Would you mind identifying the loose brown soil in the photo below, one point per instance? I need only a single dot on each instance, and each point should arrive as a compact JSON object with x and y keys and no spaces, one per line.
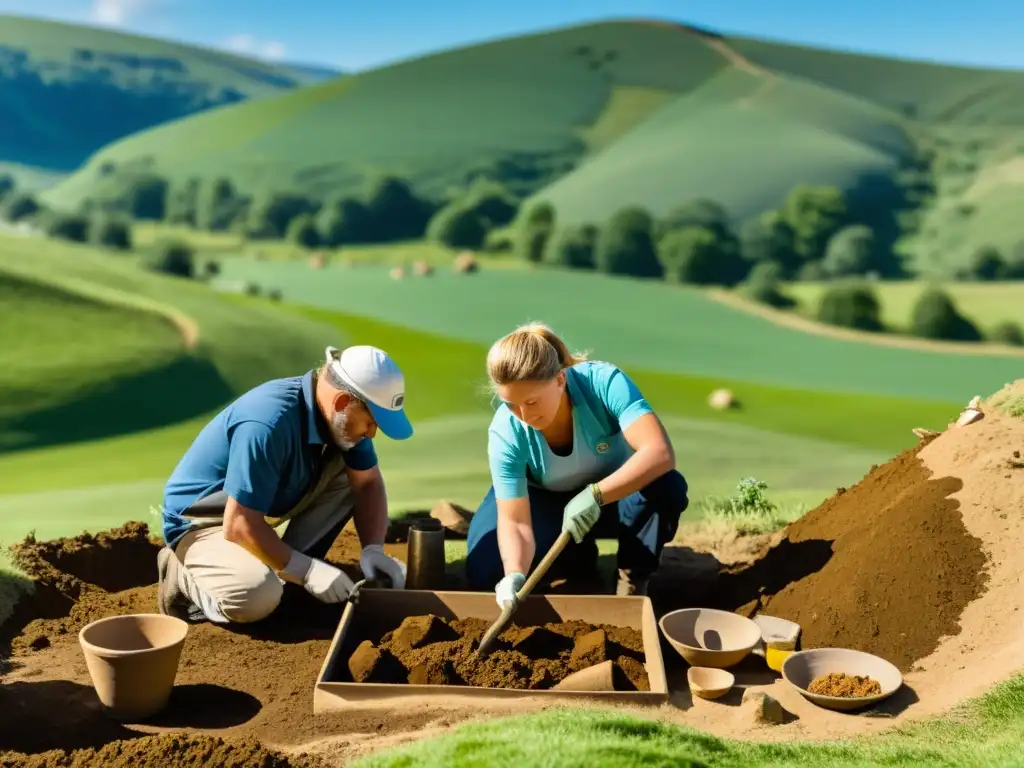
{"x":845,"y":686}
{"x":919,"y":562}
{"x":430,"y":650}
{"x":245,"y":681}
{"x":885,"y":567}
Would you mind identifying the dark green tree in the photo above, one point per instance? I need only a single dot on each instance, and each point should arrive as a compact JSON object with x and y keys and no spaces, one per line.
{"x":987,"y":264}
{"x":172,"y":257}
{"x":344,"y":221}
{"x":302,"y":231}
{"x":935,"y":316}
{"x":110,"y":232}
{"x":851,"y":306}
{"x":18,"y":206}
{"x":534,"y":232}
{"x":764,"y":285}
{"x":626,"y":247}
{"x":457,"y":226}
{"x":814,"y":214}
{"x":147,"y":197}
{"x":1008,"y":332}
{"x":394,"y":212}
{"x":575,"y":247}
{"x":850,"y":251}
{"x":768,"y":237}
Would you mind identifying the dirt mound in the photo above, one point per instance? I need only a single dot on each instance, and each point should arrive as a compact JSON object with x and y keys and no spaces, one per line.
{"x":252,"y":681}
{"x":67,"y":570}
{"x":432,"y":650}
{"x":886,"y":566}
{"x":162,"y":751}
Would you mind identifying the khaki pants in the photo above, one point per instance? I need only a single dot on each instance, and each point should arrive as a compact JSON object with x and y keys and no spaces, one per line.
{"x":229,"y":583}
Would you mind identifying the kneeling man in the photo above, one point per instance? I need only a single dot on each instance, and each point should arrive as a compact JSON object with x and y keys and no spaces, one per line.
{"x":295,"y":452}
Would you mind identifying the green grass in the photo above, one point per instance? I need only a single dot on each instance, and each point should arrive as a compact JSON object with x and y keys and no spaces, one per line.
{"x":240,"y":344}
{"x":58,"y":345}
{"x":987,"y":304}
{"x":642,"y":324}
{"x":984,"y":733}
{"x":79,"y":88}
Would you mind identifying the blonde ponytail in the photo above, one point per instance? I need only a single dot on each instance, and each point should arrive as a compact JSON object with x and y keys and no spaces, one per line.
{"x":531,"y":352}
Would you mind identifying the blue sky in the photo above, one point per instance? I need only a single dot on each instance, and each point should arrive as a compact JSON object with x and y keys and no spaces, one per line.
{"x":355,"y":34}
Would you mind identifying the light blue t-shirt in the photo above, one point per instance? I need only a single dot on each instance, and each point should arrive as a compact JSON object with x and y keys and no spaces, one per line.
{"x":605,"y":403}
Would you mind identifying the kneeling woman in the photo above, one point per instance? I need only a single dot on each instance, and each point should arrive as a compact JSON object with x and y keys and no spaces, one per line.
{"x":574,"y":447}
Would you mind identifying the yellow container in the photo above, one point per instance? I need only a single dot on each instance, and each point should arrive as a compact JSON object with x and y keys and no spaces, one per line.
{"x":777,"y":650}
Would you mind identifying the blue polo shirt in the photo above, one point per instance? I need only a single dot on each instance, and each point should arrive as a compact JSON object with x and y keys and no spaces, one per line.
{"x":605,"y":403}
{"x":264,"y":450}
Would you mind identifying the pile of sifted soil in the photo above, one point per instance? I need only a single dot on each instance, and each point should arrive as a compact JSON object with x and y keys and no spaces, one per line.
{"x":845,"y":686}
{"x":436,"y":651}
{"x":885,"y":567}
{"x":247,"y":682}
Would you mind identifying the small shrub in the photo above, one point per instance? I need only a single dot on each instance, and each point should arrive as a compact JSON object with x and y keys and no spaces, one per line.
{"x":68,"y":227}
{"x":763,"y":285}
{"x":851,"y":306}
{"x":302,"y":232}
{"x":749,"y":511}
{"x":172,"y":257}
{"x":111,"y":233}
{"x":211,"y":269}
{"x":625,"y":246}
{"x":1007,"y":332}
{"x":935,"y":316}
{"x":274,"y":294}
{"x":987,"y":264}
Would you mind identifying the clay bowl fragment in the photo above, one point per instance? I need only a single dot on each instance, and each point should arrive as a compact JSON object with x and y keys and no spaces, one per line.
{"x":708,"y":682}
{"x":596,"y":678}
{"x":709,"y":638}
{"x":802,"y":667}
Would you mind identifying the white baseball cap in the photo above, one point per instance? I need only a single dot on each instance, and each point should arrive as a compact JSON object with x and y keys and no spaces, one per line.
{"x":377,"y":379}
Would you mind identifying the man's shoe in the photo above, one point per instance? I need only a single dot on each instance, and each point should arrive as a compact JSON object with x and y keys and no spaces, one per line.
{"x":171,"y":601}
{"x":629,"y":585}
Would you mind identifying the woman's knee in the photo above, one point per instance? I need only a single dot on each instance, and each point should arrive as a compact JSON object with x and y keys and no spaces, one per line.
{"x":670,"y":492}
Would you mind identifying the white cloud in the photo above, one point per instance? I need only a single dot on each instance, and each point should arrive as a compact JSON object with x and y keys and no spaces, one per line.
{"x":116,"y":13}
{"x":249,"y":46}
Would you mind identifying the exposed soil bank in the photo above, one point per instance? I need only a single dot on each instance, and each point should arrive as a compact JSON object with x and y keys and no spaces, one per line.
{"x":886,"y":566}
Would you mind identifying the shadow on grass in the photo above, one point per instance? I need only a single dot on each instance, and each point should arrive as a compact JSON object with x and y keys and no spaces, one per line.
{"x":185,"y":388}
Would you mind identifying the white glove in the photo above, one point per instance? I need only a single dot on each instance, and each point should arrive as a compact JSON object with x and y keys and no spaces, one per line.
{"x":322,"y":580}
{"x":373,"y":562}
{"x":506,"y":589}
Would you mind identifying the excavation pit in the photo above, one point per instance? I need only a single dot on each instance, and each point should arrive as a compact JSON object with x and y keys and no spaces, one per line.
{"x":550,"y":637}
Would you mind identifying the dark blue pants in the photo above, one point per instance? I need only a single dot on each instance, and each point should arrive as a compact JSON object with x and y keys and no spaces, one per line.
{"x":642,"y":522}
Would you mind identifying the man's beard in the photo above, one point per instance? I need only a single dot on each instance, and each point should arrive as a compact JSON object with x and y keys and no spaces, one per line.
{"x":339,"y":431}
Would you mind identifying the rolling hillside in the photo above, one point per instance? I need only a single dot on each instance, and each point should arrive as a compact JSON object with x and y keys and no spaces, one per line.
{"x":600,"y":116}
{"x":67,"y":90}
{"x":649,"y":325}
{"x":100,"y":347}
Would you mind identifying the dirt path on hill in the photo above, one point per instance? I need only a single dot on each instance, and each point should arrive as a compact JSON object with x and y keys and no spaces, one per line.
{"x":796,"y":322}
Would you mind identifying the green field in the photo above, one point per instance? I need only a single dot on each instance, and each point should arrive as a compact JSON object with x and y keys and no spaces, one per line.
{"x":599,"y":116}
{"x":649,"y":325}
{"x":987,"y":304}
{"x":67,"y":90}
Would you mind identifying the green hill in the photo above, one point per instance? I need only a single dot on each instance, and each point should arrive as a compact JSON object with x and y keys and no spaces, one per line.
{"x":736,"y":128}
{"x":89,"y":351}
{"x":599,"y":116}
{"x":646,"y":324}
{"x":520,"y":108}
{"x":66,"y":90}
